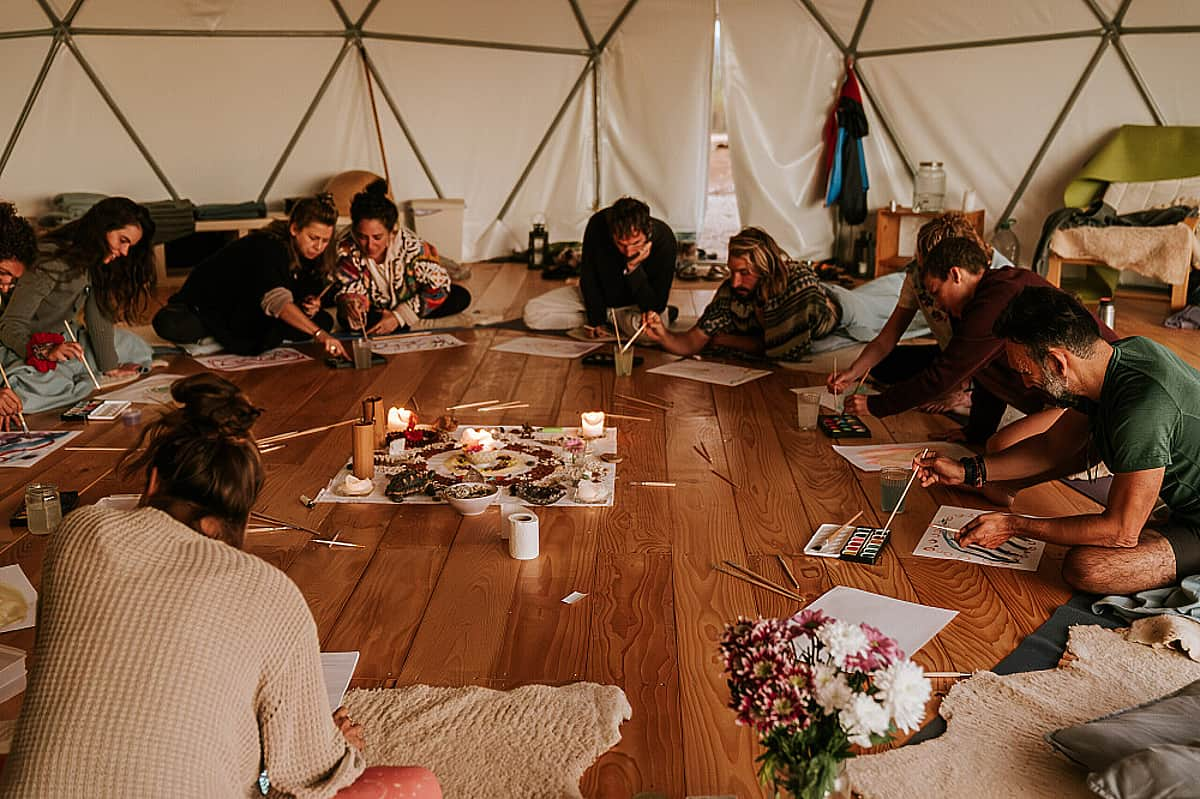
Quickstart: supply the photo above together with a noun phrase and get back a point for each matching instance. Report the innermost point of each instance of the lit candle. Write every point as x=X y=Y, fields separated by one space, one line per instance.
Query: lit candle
x=477 y=438
x=592 y=424
x=399 y=419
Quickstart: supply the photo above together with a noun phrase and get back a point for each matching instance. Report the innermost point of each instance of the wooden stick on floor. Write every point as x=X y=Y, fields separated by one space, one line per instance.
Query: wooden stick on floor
x=470 y=405
x=702 y=454
x=726 y=479
x=741 y=573
x=293 y=525
x=630 y=418
x=788 y=571
x=275 y=439
x=640 y=401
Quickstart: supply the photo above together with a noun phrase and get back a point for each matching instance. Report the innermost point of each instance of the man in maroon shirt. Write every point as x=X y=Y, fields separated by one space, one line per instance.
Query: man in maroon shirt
x=956 y=273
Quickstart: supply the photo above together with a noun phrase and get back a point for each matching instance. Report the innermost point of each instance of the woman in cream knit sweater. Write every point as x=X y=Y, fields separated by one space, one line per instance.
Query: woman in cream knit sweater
x=169 y=662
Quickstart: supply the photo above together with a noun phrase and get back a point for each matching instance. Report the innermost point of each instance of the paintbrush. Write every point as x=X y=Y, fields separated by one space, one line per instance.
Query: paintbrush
x=757 y=584
x=702 y=454
x=8 y=385
x=630 y=418
x=652 y=484
x=788 y=571
x=840 y=530
x=274 y=520
x=637 y=333
x=908 y=485
x=469 y=405
x=756 y=576
x=862 y=380
x=86 y=365
x=726 y=479
x=640 y=401
x=612 y=315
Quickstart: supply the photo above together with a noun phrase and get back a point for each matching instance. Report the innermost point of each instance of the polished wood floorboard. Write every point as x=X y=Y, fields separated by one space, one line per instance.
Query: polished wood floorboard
x=434 y=598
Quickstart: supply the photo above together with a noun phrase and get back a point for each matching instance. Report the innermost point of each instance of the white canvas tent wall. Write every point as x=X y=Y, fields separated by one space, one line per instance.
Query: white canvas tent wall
x=558 y=106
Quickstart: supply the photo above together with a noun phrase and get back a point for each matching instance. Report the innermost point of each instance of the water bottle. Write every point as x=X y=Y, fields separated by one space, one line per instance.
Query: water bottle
x=1005 y=241
x=929 y=188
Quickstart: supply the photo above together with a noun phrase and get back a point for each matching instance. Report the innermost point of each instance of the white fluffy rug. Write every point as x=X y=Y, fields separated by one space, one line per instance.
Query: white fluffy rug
x=534 y=741
x=993 y=745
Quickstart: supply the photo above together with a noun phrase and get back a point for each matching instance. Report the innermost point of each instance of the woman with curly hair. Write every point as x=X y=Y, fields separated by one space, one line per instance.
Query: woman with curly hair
x=264 y=288
x=389 y=278
x=101 y=263
x=18 y=247
x=219 y=644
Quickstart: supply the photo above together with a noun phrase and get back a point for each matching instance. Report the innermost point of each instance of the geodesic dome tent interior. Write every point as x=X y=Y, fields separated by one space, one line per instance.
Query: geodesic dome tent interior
x=560 y=106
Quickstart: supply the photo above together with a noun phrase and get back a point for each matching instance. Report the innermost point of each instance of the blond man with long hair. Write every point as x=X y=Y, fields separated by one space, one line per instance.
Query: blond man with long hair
x=770 y=306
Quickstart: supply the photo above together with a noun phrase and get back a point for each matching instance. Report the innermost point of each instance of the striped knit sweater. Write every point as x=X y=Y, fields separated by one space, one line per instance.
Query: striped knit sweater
x=171 y=664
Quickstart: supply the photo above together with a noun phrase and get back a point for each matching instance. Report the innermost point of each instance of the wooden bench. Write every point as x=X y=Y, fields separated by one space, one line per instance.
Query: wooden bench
x=1055 y=263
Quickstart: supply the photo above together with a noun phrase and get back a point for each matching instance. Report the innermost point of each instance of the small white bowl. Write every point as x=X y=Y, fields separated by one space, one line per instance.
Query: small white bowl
x=472 y=506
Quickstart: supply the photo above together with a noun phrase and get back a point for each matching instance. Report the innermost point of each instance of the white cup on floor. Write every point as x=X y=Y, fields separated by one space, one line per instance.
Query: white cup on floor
x=523 y=536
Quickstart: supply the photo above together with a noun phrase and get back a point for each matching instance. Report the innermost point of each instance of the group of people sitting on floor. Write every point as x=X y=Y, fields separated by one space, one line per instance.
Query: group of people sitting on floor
x=1002 y=333
x=276 y=284
x=230 y=703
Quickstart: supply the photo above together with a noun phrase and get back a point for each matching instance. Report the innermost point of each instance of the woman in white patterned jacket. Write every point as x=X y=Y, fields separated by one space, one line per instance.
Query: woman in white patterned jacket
x=390 y=279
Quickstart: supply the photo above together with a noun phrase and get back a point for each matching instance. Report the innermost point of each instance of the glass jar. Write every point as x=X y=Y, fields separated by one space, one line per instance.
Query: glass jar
x=929 y=188
x=42 y=508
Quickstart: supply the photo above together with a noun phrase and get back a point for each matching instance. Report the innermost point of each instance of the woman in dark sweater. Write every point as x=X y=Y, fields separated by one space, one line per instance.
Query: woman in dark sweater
x=102 y=263
x=261 y=289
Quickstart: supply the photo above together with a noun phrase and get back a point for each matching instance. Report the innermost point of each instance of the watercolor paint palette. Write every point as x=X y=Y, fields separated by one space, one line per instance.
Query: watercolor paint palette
x=845 y=425
x=856 y=544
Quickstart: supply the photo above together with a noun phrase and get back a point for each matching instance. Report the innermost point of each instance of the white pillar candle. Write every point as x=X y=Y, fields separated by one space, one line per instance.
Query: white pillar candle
x=398 y=419
x=592 y=424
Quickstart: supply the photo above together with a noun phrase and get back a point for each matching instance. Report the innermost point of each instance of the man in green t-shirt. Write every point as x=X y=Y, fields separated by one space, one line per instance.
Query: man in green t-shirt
x=1136 y=407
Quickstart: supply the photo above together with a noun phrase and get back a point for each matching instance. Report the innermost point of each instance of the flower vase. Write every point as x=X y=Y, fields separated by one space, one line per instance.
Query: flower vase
x=838 y=787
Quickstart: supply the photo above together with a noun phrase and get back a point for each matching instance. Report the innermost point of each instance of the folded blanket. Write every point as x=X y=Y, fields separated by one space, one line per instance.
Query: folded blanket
x=1164 y=253
x=1183 y=599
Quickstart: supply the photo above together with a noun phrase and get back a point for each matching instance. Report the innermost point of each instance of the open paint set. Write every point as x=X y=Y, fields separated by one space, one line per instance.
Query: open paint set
x=843 y=425
x=848 y=542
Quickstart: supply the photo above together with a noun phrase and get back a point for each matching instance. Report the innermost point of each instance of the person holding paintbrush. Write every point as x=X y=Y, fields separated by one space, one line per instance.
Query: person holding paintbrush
x=262 y=289
x=102 y=264
x=388 y=279
x=168 y=661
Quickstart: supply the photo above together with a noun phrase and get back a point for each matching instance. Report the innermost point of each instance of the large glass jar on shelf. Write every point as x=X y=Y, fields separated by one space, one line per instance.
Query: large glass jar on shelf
x=929 y=188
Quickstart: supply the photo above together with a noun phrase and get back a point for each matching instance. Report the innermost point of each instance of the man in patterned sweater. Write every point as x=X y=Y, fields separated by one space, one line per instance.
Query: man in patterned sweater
x=770 y=306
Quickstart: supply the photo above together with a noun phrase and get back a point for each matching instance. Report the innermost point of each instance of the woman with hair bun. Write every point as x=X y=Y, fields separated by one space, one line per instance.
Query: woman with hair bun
x=389 y=278
x=264 y=288
x=170 y=663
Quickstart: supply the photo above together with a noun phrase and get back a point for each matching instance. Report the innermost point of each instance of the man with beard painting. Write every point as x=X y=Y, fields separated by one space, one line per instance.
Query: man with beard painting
x=770 y=306
x=1136 y=407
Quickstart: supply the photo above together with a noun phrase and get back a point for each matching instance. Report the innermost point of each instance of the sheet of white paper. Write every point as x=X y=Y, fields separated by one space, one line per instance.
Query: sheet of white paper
x=940 y=541
x=14 y=577
x=241 y=363
x=337 y=668
x=545 y=347
x=910 y=625
x=873 y=457
x=721 y=374
x=26 y=449
x=572 y=598
x=906 y=244
x=403 y=344
x=152 y=389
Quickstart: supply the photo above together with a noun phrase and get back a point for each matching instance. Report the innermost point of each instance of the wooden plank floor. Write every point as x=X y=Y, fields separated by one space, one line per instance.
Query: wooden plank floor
x=434 y=598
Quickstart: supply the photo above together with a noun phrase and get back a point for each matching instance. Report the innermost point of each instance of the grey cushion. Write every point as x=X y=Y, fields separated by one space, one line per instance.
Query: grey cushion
x=1141 y=751
x=1163 y=772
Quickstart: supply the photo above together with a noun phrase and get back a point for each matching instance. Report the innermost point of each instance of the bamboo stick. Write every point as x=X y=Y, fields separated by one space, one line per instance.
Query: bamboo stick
x=630 y=418
x=275 y=439
x=907 y=486
x=723 y=477
x=633 y=338
x=470 y=405
x=758 y=582
x=702 y=454
x=653 y=483
x=641 y=401
x=788 y=571
x=757 y=576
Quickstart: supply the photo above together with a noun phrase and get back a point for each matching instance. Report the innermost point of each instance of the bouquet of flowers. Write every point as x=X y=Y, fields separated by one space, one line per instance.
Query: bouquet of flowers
x=812 y=687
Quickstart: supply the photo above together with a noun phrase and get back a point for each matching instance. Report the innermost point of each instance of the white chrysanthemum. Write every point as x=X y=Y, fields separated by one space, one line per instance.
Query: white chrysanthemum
x=904 y=691
x=830 y=687
x=843 y=640
x=864 y=717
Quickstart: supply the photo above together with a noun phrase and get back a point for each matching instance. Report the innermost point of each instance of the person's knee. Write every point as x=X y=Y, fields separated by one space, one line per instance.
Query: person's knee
x=178 y=324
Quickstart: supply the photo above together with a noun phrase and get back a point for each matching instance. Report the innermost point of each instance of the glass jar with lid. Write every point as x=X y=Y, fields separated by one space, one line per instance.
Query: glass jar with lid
x=929 y=187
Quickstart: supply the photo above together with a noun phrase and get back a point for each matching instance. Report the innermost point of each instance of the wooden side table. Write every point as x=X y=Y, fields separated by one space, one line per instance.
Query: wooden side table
x=888 y=224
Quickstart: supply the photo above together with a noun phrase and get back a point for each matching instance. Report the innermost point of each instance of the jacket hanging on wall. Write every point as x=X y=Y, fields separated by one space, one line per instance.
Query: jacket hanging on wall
x=845 y=161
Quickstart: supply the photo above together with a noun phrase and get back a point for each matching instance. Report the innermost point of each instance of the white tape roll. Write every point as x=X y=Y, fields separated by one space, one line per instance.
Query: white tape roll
x=523 y=535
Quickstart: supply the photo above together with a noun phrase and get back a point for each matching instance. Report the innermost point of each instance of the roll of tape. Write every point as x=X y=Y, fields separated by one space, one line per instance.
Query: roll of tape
x=523 y=536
